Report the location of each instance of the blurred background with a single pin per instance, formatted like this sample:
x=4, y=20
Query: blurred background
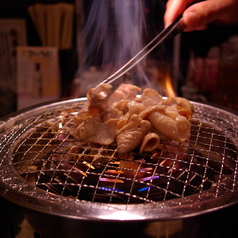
x=42, y=53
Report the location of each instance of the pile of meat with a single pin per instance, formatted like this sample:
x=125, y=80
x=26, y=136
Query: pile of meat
x=131, y=120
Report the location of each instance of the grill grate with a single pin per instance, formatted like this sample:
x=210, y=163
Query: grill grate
x=42, y=156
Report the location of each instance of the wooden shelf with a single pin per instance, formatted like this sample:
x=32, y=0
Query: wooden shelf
x=18, y=8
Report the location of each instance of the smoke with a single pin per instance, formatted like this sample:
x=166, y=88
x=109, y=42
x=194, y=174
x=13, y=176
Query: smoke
x=113, y=31
x=113, y=34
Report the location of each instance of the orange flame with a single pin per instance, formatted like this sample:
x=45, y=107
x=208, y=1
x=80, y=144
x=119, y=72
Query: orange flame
x=169, y=90
x=159, y=73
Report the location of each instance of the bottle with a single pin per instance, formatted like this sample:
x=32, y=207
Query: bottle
x=38, y=82
x=228, y=74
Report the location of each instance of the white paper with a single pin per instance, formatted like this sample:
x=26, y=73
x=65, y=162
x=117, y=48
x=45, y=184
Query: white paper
x=37, y=75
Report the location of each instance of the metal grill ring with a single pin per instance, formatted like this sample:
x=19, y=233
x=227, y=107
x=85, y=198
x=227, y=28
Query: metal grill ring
x=38, y=159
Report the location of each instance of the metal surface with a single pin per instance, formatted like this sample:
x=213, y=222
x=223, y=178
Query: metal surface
x=46, y=170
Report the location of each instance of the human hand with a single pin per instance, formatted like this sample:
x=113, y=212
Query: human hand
x=198, y=15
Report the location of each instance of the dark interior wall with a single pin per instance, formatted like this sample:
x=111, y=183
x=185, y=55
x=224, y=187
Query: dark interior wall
x=12, y=9
x=18, y=9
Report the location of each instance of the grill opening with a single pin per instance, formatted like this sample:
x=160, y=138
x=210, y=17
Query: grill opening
x=48, y=158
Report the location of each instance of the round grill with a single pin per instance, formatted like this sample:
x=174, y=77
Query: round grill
x=45, y=168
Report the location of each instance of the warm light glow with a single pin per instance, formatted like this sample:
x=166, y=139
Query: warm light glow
x=123, y=215
x=160, y=77
x=169, y=91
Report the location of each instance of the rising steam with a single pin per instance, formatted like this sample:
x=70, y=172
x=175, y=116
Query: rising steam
x=113, y=34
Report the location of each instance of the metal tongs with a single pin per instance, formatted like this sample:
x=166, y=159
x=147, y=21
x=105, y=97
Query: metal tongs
x=116, y=79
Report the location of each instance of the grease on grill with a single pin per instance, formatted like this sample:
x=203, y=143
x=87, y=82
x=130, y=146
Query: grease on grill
x=55, y=162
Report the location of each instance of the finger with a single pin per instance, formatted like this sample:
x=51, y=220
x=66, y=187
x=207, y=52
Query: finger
x=174, y=8
x=199, y=28
x=200, y=14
